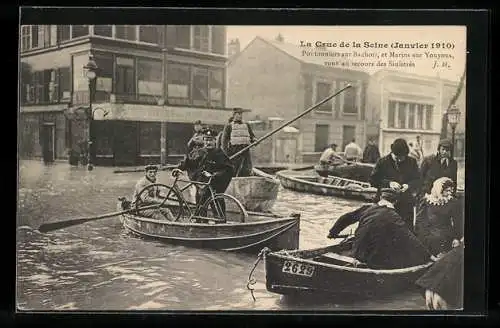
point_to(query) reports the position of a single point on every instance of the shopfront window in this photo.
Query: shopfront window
(149, 138)
(179, 81)
(150, 77)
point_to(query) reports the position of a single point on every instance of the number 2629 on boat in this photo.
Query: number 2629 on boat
(299, 269)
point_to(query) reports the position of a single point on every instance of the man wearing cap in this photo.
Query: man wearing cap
(437, 166)
(196, 140)
(398, 172)
(209, 161)
(150, 197)
(236, 136)
(382, 239)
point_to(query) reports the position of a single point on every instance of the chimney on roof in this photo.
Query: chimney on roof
(280, 38)
(233, 47)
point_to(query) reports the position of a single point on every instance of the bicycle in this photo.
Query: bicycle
(174, 199)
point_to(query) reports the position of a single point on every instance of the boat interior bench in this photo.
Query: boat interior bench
(338, 259)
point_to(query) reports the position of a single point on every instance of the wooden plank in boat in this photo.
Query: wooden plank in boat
(334, 258)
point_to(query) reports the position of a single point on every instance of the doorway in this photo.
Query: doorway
(348, 134)
(48, 142)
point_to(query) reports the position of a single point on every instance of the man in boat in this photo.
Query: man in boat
(150, 196)
(398, 172)
(236, 136)
(352, 152)
(382, 239)
(196, 140)
(208, 161)
(371, 154)
(438, 165)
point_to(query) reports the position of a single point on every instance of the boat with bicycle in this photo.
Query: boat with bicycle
(209, 225)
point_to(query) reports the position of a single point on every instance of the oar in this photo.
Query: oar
(255, 143)
(51, 226)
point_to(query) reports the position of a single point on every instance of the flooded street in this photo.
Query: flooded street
(99, 266)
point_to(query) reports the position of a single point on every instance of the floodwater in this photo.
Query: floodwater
(99, 266)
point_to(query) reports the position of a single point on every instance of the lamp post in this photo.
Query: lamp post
(453, 116)
(91, 73)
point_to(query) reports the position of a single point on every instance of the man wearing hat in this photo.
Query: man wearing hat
(150, 197)
(236, 136)
(209, 161)
(398, 172)
(437, 166)
(382, 239)
(196, 140)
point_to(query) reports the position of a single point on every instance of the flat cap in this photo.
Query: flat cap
(151, 167)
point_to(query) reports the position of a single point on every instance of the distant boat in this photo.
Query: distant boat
(327, 186)
(330, 271)
(354, 171)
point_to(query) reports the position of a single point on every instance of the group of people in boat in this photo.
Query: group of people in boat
(208, 159)
(417, 218)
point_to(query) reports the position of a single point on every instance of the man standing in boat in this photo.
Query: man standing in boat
(437, 166)
(371, 154)
(382, 239)
(236, 136)
(150, 196)
(398, 172)
(352, 151)
(207, 162)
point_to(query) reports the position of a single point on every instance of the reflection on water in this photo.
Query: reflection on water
(99, 266)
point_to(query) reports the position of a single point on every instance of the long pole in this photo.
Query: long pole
(289, 122)
(453, 129)
(91, 118)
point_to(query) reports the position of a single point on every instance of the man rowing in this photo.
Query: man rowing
(382, 239)
(150, 196)
(208, 162)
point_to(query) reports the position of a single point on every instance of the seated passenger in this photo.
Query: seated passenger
(439, 219)
(382, 239)
(150, 197)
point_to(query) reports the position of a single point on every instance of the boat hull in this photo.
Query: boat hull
(274, 233)
(335, 281)
(355, 171)
(291, 180)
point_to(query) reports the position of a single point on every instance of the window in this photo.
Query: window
(64, 32)
(178, 83)
(219, 40)
(216, 83)
(428, 117)
(323, 90)
(79, 31)
(103, 138)
(402, 115)
(321, 137)
(64, 83)
(150, 77)
(149, 34)
(34, 37)
(200, 86)
(103, 30)
(25, 37)
(105, 77)
(149, 138)
(411, 116)
(125, 78)
(201, 38)
(54, 86)
(392, 115)
(420, 117)
(350, 101)
(183, 36)
(126, 32)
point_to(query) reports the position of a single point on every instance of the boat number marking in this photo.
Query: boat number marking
(299, 269)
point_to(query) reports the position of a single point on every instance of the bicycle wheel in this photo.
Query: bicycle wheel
(170, 205)
(234, 210)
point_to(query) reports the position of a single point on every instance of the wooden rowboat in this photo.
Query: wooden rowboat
(354, 171)
(259, 230)
(327, 186)
(331, 272)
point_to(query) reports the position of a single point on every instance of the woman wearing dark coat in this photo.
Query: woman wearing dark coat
(439, 219)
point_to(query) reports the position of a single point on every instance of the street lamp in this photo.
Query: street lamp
(91, 73)
(453, 116)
